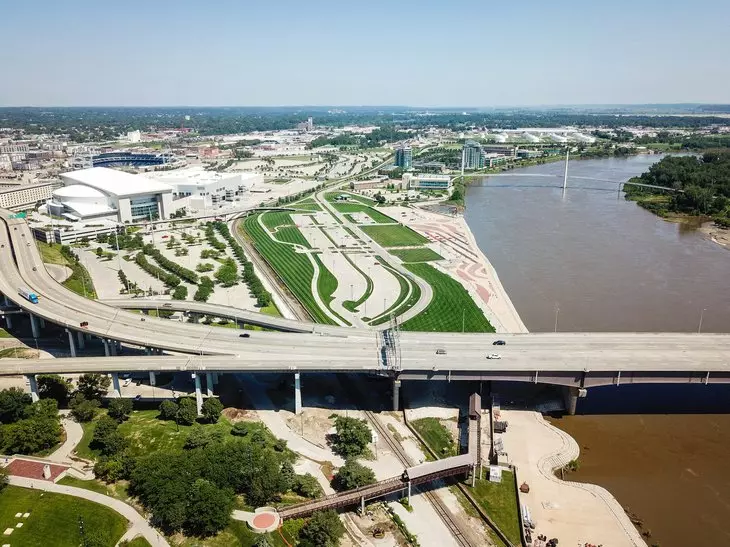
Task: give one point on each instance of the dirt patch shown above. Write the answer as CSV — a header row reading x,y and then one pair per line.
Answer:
x,y
234,415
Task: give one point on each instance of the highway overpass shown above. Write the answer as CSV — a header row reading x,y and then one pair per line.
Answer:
x,y
573,360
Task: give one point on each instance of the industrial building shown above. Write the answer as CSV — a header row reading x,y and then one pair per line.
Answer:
x,y
426,181
102,192
207,188
403,157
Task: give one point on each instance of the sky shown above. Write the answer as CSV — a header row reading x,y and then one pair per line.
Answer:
x,y
397,52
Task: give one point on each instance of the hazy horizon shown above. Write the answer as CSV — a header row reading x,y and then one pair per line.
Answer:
x,y
421,54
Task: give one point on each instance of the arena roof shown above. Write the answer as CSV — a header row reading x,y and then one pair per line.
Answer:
x,y
78,191
115,183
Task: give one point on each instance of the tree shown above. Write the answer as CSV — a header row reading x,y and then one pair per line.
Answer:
x,y
456,195
120,409
82,409
209,509
99,252
352,437
107,437
324,529
180,292
52,386
307,485
352,475
3,478
32,435
93,385
199,437
168,410
288,476
262,541
13,404
187,411
211,410
44,408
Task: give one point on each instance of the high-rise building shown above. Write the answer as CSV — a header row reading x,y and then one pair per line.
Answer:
x,y
473,155
310,124
403,157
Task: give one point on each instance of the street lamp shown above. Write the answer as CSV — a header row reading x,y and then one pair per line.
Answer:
x,y
702,315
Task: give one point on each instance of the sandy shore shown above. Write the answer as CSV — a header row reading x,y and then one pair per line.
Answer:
x,y
721,236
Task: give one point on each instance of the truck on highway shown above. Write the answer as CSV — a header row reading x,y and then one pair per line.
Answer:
x,y
29,296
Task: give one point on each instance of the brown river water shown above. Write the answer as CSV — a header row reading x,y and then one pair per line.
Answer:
x,y
596,262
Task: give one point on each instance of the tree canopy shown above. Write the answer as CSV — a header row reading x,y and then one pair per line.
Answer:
x,y
324,529
352,475
352,437
93,385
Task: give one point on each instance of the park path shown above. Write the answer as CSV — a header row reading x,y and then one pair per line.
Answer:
x,y
74,433
140,526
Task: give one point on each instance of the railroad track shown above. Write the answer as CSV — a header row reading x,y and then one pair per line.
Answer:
x,y
441,510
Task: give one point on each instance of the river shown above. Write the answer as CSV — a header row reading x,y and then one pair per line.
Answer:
x,y
588,260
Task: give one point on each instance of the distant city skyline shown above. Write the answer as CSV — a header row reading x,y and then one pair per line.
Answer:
x,y
420,54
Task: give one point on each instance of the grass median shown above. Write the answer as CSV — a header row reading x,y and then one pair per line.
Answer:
x,y
416,255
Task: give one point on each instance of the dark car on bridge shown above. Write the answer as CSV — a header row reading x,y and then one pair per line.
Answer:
x,y
499,343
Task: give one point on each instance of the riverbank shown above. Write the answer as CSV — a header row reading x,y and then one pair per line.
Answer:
x,y
715,233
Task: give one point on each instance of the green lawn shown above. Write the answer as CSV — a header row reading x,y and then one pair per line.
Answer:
x,y
451,309
377,216
139,541
353,305
291,234
54,519
273,219
394,236
294,269
330,196
437,437
499,500
4,333
147,434
416,255
17,352
307,206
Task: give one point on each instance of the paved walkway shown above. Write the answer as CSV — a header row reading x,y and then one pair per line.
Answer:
x,y
74,433
140,526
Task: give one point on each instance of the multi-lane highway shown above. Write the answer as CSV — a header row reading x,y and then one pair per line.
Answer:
x,y
581,359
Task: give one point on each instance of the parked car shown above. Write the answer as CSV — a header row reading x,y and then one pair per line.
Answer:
x,y
499,343
494,356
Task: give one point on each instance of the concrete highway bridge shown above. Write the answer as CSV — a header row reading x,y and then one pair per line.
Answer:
x,y
576,361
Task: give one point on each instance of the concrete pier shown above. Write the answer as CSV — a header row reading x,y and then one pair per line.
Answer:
x,y
81,339
115,384
198,394
34,325
33,387
71,342
396,395
297,393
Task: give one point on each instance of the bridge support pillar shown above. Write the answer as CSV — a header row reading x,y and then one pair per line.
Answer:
x,y
8,322
34,325
570,398
112,347
115,384
297,393
209,383
71,342
396,395
105,343
215,378
42,322
82,341
153,380
362,506
33,387
148,350
409,492
198,394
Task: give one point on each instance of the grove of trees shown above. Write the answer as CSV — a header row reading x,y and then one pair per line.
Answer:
x,y
352,436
